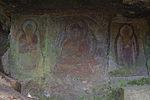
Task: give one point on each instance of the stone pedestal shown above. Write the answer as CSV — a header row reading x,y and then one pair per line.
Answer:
x,y
136,93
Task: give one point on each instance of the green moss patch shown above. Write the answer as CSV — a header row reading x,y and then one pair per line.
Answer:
x,y
143,81
121,72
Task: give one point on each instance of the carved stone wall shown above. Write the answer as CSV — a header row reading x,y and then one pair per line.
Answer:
x,y
76,53
66,52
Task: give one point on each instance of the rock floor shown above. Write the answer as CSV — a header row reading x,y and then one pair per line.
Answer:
x,y
8,91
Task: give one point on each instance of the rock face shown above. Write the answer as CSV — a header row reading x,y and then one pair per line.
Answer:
x,y
5,60
136,93
7,93
4,31
70,53
9,82
10,89
134,1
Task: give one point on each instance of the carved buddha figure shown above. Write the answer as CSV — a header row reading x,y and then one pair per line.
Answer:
x,y
75,58
28,39
127,48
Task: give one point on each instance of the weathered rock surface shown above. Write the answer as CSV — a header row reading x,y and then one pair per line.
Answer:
x,y
7,93
7,81
9,88
65,63
5,62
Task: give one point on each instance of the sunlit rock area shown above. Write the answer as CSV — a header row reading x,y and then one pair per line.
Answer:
x,y
74,50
